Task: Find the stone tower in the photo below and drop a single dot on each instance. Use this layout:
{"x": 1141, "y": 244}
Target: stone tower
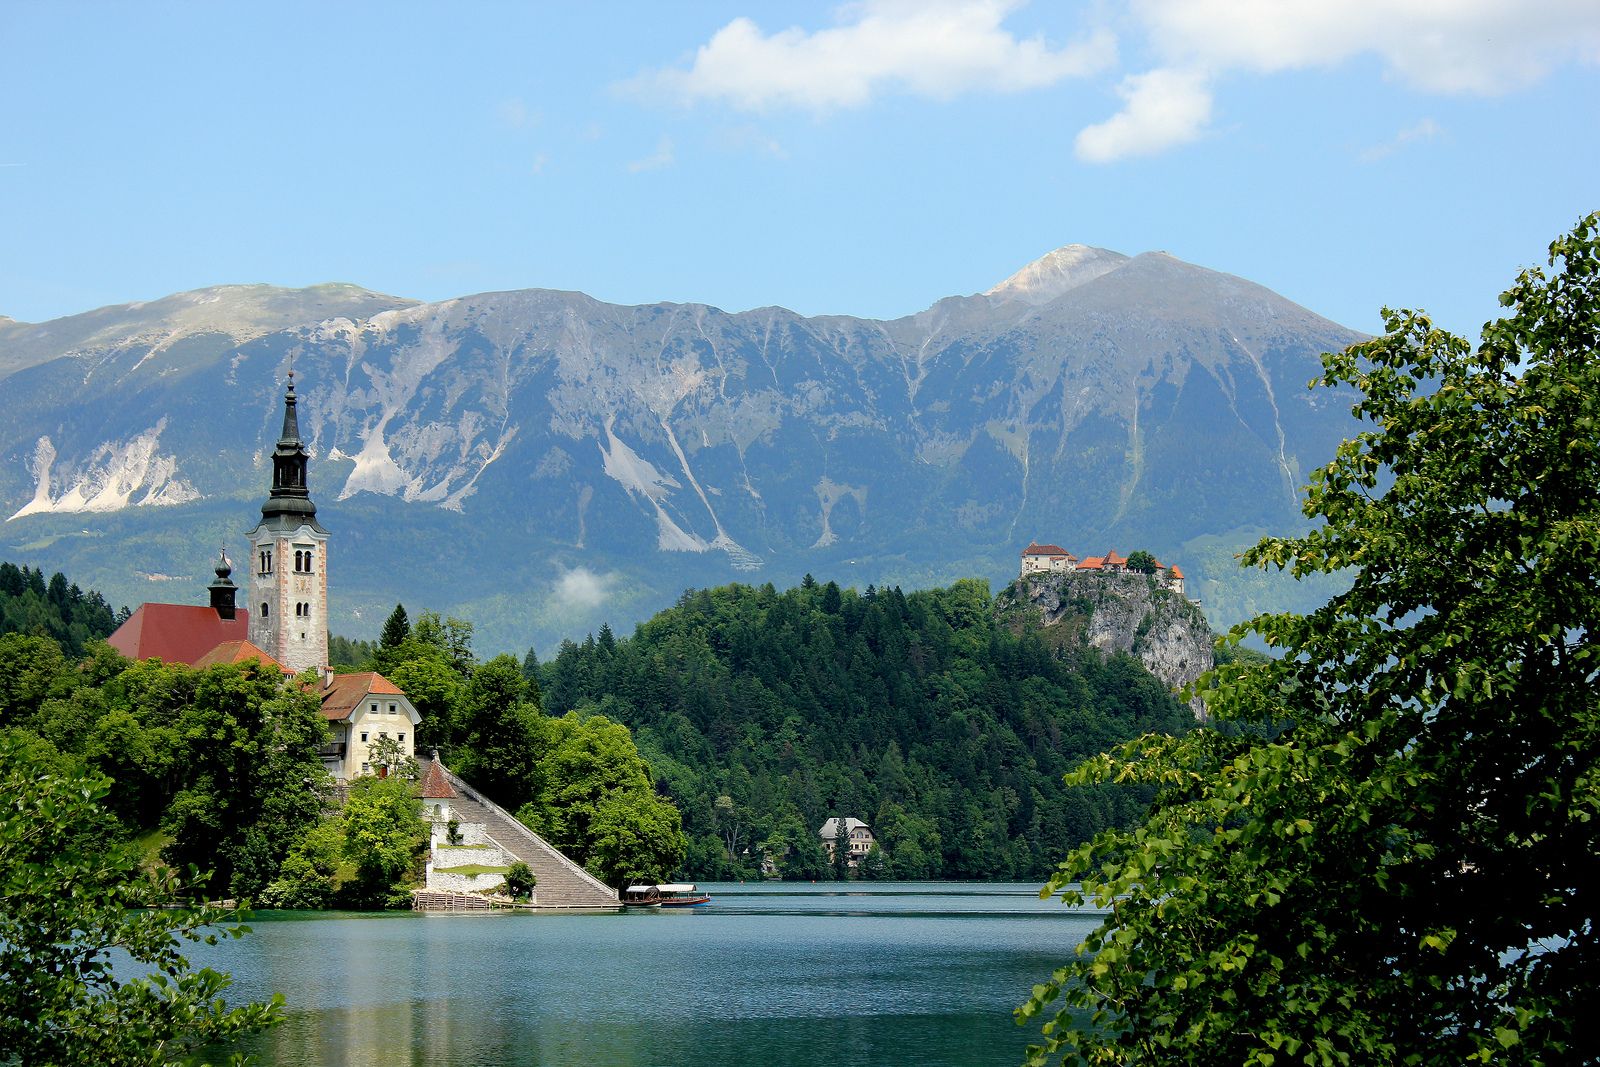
{"x": 289, "y": 560}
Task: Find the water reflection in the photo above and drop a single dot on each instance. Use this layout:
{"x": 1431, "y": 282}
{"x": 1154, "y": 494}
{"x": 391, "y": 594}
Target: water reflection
{"x": 775, "y": 974}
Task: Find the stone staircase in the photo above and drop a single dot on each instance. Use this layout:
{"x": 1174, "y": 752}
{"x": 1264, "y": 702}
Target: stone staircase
{"x": 561, "y": 882}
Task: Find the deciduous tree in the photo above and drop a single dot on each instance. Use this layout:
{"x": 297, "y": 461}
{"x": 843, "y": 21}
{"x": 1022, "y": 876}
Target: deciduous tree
{"x": 70, "y": 904}
{"x": 1410, "y": 872}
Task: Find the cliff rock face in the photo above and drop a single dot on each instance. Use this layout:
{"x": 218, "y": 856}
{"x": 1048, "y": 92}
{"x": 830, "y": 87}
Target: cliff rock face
{"x": 1122, "y": 613}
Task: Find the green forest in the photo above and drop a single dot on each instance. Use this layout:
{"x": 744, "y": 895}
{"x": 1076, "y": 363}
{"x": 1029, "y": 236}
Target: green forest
{"x": 54, "y": 608}
{"x": 712, "y": 744}
{"x": 765, "y": 713}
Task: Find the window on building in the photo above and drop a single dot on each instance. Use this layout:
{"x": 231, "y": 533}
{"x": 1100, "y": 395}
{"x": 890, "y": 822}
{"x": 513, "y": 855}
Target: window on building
{"x": 302, "y": 561}
{"x": 402, "y": 737}
{"x": 374, "y": 706}
{"x": 265, "y": 561}
{"x": 363, "y": 737}
{"x": 263, "y": 609}
{"x": 383, "y": 733}
{"x": 365, "y": 768}
{"x": 391, "y": 707}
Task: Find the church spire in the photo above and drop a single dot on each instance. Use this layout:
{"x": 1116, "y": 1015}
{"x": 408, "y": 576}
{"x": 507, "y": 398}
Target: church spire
{"x": 291, "y": 420}
{"x": 289, "y": 502}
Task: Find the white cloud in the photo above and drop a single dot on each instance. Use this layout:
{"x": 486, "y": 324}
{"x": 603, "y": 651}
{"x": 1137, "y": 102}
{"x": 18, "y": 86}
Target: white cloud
{"x": 582, "y": 588}
{"x": 1439, "y": 46}
{"x": 662, "y": 157}
{"x": 1448, "y": 46}
{"x": 1426, "y": 130}
{"x": 1163, "y": 108}
{"x": 931, "y": 48}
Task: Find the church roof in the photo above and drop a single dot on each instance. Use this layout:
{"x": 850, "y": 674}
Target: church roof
{"x": 177, "y": 633}
{"x": 435, "y": 786}
{"x": 344, "y": 692}
{"x": 236, "y": 652}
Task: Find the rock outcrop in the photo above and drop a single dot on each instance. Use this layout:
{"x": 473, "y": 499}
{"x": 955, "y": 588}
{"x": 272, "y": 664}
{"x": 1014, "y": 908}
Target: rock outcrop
{"x": 1120, "y": 612}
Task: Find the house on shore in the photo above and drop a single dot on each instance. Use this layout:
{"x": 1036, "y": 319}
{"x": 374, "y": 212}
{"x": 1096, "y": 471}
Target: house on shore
{"x": 858, "y": 840}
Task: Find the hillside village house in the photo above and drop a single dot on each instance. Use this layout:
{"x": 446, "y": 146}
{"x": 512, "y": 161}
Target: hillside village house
{"x": 1053, "y": 559}
{"x": 858, "y": 840}
{"x": 285, "y": 622}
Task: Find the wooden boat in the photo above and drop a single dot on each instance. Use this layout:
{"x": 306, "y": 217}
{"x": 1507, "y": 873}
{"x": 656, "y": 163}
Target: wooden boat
{"x": 664, "y": 895}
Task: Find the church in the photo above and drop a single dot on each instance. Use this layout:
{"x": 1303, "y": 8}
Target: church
{"x": 284, "y": 622}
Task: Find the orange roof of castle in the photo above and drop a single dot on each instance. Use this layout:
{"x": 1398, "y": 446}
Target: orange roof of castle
{"x": 344, "y": 692}
{"x": 1045, "y": 550}
{"x": 1114, "y": 560}
{"x": 1091, "y": 563}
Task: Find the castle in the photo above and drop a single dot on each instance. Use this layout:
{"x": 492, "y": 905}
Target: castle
{"x": 1053, "y": 559}
{"x": 285, "y": 620}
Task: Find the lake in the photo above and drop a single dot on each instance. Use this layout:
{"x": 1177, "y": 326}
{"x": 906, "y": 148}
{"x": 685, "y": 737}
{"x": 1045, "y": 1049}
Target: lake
{"x": 772, "y": 973}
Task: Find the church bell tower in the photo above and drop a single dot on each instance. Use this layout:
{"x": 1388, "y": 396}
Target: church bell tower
{"x": 289, "y": 560}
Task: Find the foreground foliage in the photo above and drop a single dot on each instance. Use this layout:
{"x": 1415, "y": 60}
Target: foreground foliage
{"x": 1411, "y": 872}
{"x": 70, "y": 904}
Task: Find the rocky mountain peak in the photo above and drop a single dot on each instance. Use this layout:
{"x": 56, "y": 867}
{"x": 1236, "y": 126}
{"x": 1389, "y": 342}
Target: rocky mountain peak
{"x": 1057, "y": 272}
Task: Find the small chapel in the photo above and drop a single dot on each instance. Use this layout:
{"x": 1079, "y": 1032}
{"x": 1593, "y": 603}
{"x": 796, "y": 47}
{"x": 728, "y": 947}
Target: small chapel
{"x": 284, "y": 622}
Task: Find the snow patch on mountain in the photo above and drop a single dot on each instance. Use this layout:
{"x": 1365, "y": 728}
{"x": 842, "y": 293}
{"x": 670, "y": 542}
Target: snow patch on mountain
{"x": 117, "y": 475}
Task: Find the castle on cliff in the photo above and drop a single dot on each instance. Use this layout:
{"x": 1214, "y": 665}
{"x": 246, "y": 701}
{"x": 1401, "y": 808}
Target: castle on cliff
{"x": 1053, "y": 559}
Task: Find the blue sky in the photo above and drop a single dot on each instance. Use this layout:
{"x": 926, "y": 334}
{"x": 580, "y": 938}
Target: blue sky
{"x": 862, "y": 159}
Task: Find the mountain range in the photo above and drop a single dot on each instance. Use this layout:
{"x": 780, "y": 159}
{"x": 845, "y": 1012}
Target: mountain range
{"x": 539, "y": 461}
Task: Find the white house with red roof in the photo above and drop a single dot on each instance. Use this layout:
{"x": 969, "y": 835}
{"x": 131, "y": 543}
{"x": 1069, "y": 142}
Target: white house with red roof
{"x": 1047, "y": 559}
{"x": 361, "y": 708}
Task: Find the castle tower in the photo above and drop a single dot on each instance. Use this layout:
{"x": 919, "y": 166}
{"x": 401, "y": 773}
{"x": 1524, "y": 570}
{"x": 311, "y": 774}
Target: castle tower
{"x": 289, "y": 560}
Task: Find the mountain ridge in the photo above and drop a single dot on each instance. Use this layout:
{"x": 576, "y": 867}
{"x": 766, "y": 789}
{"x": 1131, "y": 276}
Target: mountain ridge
{"x": 654, "y": 446}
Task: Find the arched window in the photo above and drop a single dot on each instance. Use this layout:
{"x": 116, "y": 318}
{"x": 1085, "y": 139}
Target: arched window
{"x": 263, "y": 609}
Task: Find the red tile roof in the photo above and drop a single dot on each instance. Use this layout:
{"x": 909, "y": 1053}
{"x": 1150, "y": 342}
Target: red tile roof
{"x": 1176, "y": 573}
{"x": 1114, "y": 560}
{"x": 1091, "y": 563}
{"x": 1045, "y": 550}
{"x": 435, "y": 786}
{"x": 236, "y": 652}
{"x": 177, "y": 633}
{"x": 344, "y": 692}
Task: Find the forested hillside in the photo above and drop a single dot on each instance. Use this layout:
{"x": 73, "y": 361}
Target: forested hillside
{"x": 29, "y": 604}
{"x": 764, "y": 713}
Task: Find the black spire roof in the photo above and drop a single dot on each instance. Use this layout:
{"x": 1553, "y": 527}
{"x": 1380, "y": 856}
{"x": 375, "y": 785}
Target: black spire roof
{"x": 222, "y": 589}
{"x": 289, "y": 504}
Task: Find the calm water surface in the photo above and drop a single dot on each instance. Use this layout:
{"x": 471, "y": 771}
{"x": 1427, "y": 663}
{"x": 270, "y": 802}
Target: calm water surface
{"x": 773, "y": 974}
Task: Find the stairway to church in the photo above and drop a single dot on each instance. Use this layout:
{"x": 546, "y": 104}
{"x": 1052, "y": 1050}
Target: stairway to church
{"x": 561, "y": 882}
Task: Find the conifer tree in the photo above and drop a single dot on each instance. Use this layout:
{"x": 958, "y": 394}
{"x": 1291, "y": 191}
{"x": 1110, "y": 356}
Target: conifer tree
{"x": 396, "y": 629}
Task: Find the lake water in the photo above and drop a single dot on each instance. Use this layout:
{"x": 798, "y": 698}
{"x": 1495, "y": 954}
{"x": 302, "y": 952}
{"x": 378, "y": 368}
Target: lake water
{"x": 771, "y": 974}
